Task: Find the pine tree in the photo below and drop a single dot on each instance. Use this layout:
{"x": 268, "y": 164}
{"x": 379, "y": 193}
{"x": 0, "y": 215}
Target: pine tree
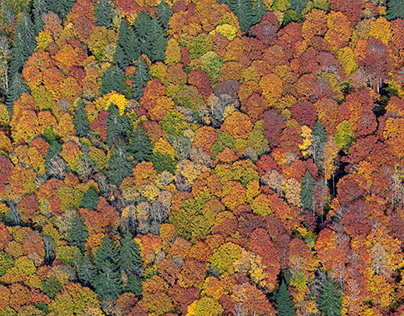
{"x": 127, "y": 50}
{"x": 107, "y": 254}
{"x": 140, "y": 145}
{"x": 395, "y": 10}
{"x": 283, "y": 302}
{"x": 158, "y": 41}
{"x": 140, "y": 79}
{"x": 307, "y": 192}
{"x": 130, "y": 259}
{"x": 81, "y": 124}
{"x": 54, "y": 149}
{"x": 258, "y": 10}
{"x": 60, "y": 7}
{"x": 24, "y": 43}
{"x": 164, "y": 12}
{"x": 319, "y": 139}
{"x": 297, "y": 6}
{"x": 117, "y": 125}
{"x": 103, "y": 13}
{"x": 119, "y": 165}
{"x": 142, "y": 30}
{"x": 243, "y": 10}
{"x": 90, "y": 200}
{"x": 86, "y": 271}
{"x": 77, "y": 233}
{"x": 112, "y": 80}
{"x": 17, "y": 88}
{"x": 39, "y": 7}
{"x": 330, "y": 300}
{"x": 134, "y": 285}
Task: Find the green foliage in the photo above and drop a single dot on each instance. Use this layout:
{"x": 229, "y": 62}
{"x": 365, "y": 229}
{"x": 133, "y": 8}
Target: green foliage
{"x": 60, "y": 7}
{"x": 90, "y": 200}
{"x": 130, "y": 259}
{"x": 43, "y": 307}
{"x": 39, "y": 7}
{"x": 291, "y": 16}
{"x": 344, "y": 136}
{"x": 134, "y": 285}
{"x": 307, "y": 192}
{"x": 81, "y": 124}
{"x": 119, "y": 165}
{"x": 17, "y": 88}
{"x": 163, "y": 162}
{"x": 189, "y": 97}
{"x": 395, "y": 10}
{"x": 248, "y": 12}
{"x": 159, "y": 44}
{"x": 199, "y": 45}
{"x": 54, "y": 149}
{"x": 51, "y": 287}
{"x": 140, "y": 145}
{"x": 283, "y": 302}
{"x": 297, "y": 6}
{"x": 140, "y": 79}
{"x": 127, "y": 49}
{"x": 103, "y": 13}
{"x": 223, "y": 140}
{"x": 212, "y": 64}
{"x": 112, "y": 80}
{"x": 117, "y": 125}
{"x": 330, "y": 300}
{"x": 107, "y": 254}
{"x": 174, "y": 123}
{"x": 6, "y": 262}
{"x": 77, "y": 233}
{"x": 86, "y": 271}
{"x": 49, "y": 134}
{"x": 142, "y": 30}
{"x": 164, "y": 12}
{"x": 319, "y": 139}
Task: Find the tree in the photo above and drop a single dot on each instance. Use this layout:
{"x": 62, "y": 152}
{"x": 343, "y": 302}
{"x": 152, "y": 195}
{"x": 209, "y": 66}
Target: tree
{"x": 112, "y": 80}
{"x": 103, "y": 13}
{"x": 17, "y": 88}
{"x": 140, "y": 145}
{"x": 119, "y": 165}
{"x": 117, "y": 125}
{"x": 283, "y": 302}
{"x": 39, "y": 7}
{"x": 60, "y": 7}
{"x": 140, "y": 79}
{"x": 86, "y": 271}
{"x": 5, "y": 55}
{"x": 127, "y": 50}
{"x": 80, "y": 121}
{"x": 319, "y": 140}
{"x": 307, "y": 192}
{"x": 51, "y": 287}
{"x": 330, "y": 299}
{"x": 164, "y": 13}
{"x": 90, "y": 200}
{"x": 158, "y": 40}
{"x": 395, "y": 10}
{"x": 130, "y": 260}
{"x": 77, "y": 233}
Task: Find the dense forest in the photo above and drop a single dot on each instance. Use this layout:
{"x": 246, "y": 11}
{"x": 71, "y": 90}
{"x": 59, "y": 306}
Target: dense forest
{"x": 201, "y": 157}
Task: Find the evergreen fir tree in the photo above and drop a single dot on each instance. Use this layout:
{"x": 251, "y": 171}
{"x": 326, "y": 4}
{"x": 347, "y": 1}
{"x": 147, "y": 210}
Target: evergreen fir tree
{"x": 130, "y": 259}
{"x": 86, "y": 271}
{"x": 319, "y": 139}
{"x": 163, "y": 162}
{"x": 164, "y": 12}
{"x": 117, "y": 125}
{"x": 90, "y": 200}
{"x": 108, "y": 284}
{"x": 243, "y": 10}
{"x": 39, "y": 7}
{"x": 134, "y": 285}
{"x": 142, "y": 30}
{"x": 24, "y": 43}
{"x": 127, "y": 50}
{"x": 158, "y": 41}
{"x": 119, "y": 165}
{"x": 107, "y": 254}
{"x": 395, "y": 10}
{"x": 140, "y": 145}
{"x": 54, "y": 149}
{"x": 283, "y": 302}
{"x": 17, "y": 88}
{"x": 297, "y": 6}
{"x": 307, "y": 192}
{"x": 60, "y": 7}
{"x": 140, "y": 79}
{"x": 330, "y": 300}
{"x": 77, "y": 233}
{"x": 103, "y": 13}
{"x": 81, "y": 124}
{"x": 258, "y": 10}
{"x": 112, "y": 80}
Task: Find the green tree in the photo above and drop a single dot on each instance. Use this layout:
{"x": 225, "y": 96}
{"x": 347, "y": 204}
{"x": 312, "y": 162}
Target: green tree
{"x": 16, "y": 89}
{"x": 51, "y": 287}
{"x": 258, "y": 10}
{"x": 140, "y": 79}
{"x": 103, "y": 13}
{"x": 140, "y": 145}
{"x": 90, "y": 200}
{"x": 297, "y": 6}
{"x": 127, "y": 50}
{"x": 112, "y": 80}
{"x": 163, "y": 162}
{"x": 130, "y": 259}
{"x": 107, "y": 254}
{"x": 142, "y": 30}
{"x": 119, "y": 165}
{"x": 319, "y": 139}
{"x": 158, "y": 40}
{"x": 283, "y": 302}
{"x": 223, "y": 140}
{"x": 54, "y": 149}
{"x": 243, "y": 10}
{"x": 81, "y": 124}
{"x": 330, "y": 300}
{"x": 395, "y": 10}
{"x": 77, "y": 233}
{"x": 117, "y": 125}
{"x": 39, "y": 7}
{"x": 307, "y": 192}
{"x": 164, "y": 12}
{"x": 344, "y": 136}
{"x": 60, "y": 7}
{"x": 6, "y": 263}
{"x": 86, "y": 271}
{"x": 134, "y": 285}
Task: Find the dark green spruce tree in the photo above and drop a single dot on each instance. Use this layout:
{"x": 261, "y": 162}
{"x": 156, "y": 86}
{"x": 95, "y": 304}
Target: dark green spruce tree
{"x": 140, "y": 145}
{"x": 158, "y": 41}
{"x": 17, "y": 88}
{"x": 60, "y": 7}
{"x": 395, "y": 9}
{"x": 86, "y": 271}
{"x": 127, "y": 50}
{"x": 142, "y": 30}
{"x": 258, "y": 10}
{"x": 77, "y": 233}
{"x": 164, "y": 12}
{"x": 243, "y": 10}
{"x": 103, "y": 13}
{"x": 140, "y": 79}
{"x": 283, "y": 302}
{"x": 131, "y": 263}
{"x": 319, "y": 140}
{"x": 330, "y": 300}
{"x": 39, "y": 7}
{"x": 54, "y": 149}
{"x": 307, "y": 192}
{"x": 297, "y": 6}
{"x": 119, "y": 165}
{"x": 81, "y": 124}
{"x": 90, "y": 200}
{"x": 112, "y": 80}
{"x": 117, "y": 125}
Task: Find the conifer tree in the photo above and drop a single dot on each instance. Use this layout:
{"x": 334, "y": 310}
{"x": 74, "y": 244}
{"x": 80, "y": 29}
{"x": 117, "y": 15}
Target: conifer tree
{"x": 258, "y": 10}
{"x": 77, "y": 233}
{"x": 164, "y": 12}
{"x": 158, "y": 41}
{"x": 117, "y": 125}
{"x": 330, "y": 299}
{"x": 60, "y": 7}
{"x": 54, "y": 149}
{"x": 140, "y": 145}
{"x": 86, "y": 271}
{"x": 307, "y": 192}
{"x": 130, "y": 259}
{"x": 395, "y": 10}
{"x": 119, "y": 165}
{"x": 140, "y": 79}
{"x": 81, "y": 124}
{"x": 39, "y": 7}
{"x": 319, "y": 139}
{"x": 107, "y": 254}
{"x": 297, "y": 5}
{"x": 142, "y": 30}
{"x": 283, "y": 302}
{"x": 103, "y": 13}
{"x": 127, "y": 50}
{"x": 16, "y": 89}
{"x": 90, "y": 200}
{"x": 112, "y": 80}
{"x": 134, "y": 285}
{"x": 24, "y": 43}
